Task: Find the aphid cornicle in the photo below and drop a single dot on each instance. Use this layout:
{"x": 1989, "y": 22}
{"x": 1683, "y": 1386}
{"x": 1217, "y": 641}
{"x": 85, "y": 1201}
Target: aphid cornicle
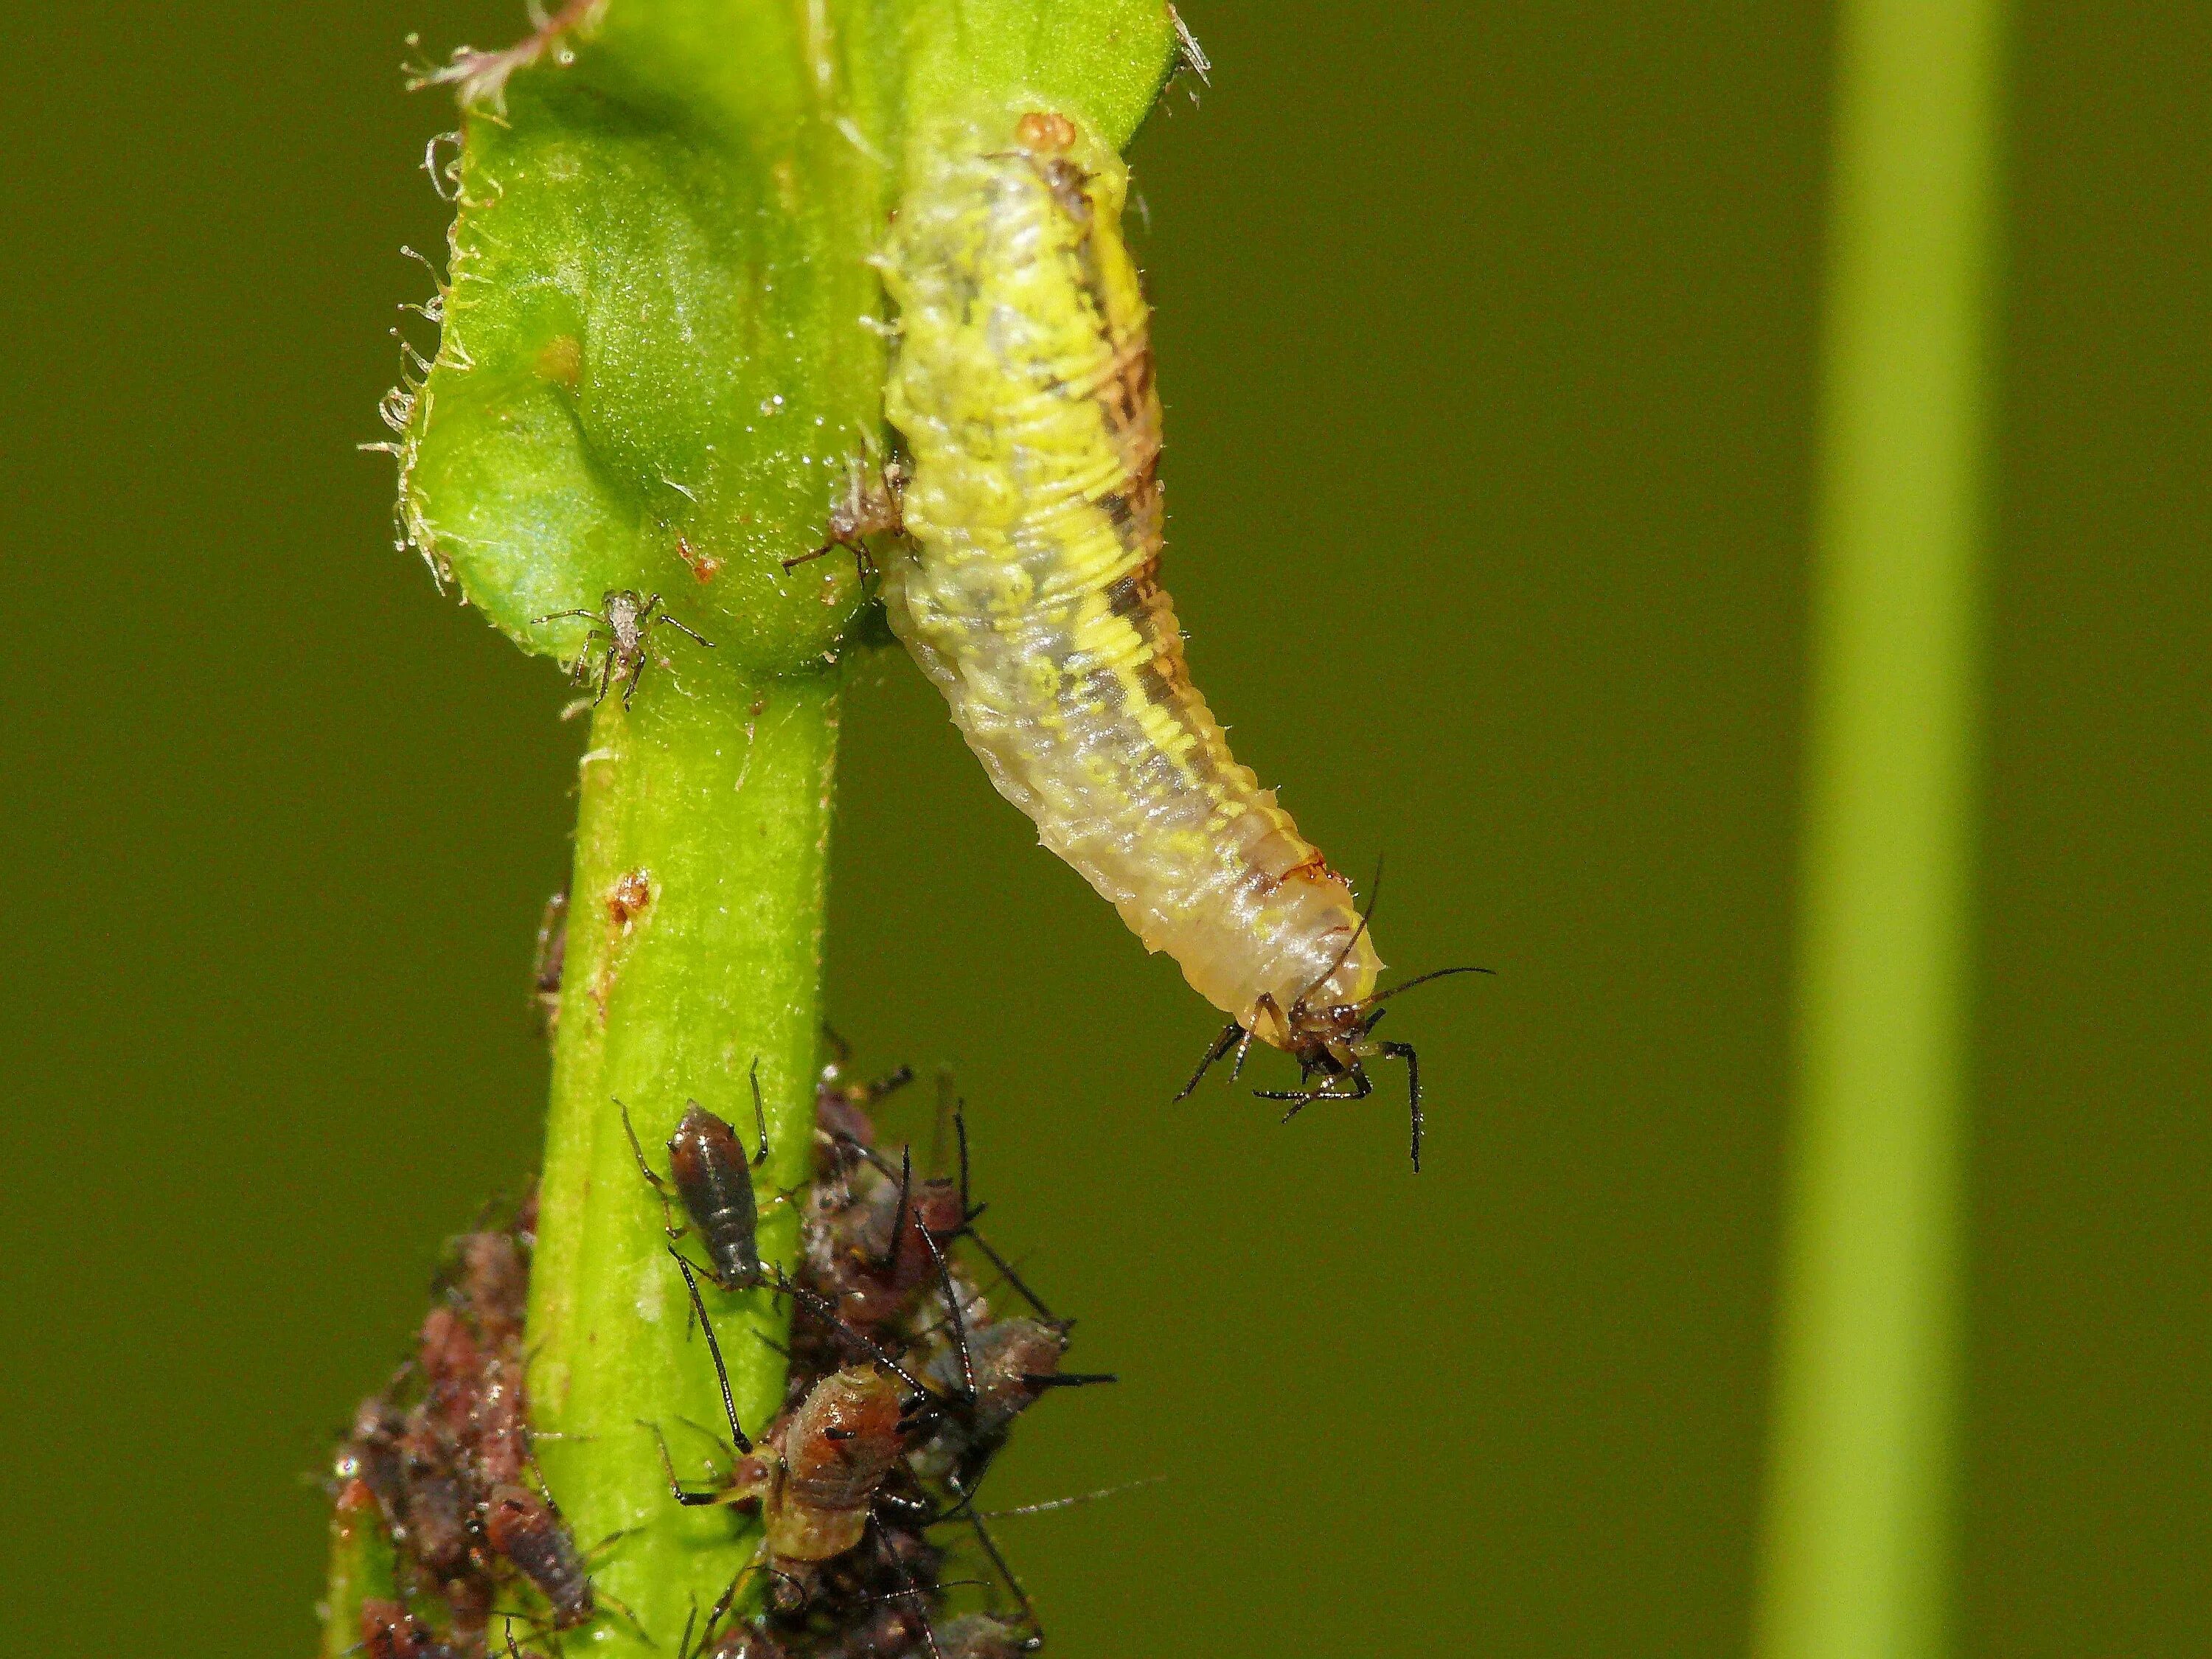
{"x": 1030, "y": 590}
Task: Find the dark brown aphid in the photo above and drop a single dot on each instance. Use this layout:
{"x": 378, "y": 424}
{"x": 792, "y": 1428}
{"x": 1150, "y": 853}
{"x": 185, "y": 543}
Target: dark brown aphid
{"x": 626, "y": 626}
{"x": 869, "y": 507}
{"x": 713, "y": 1179}
{"x": 842, "y": 1120}
{"x": 494, "y": 1284}
{"x": 870, "y": 1252}
{"x": 990, "y": 1376}
{"x": 551, "y": 958}
{"x": 877, "y": 1240}
{"x": 388, "y": 1631}
{"x": 524, "y": 1528}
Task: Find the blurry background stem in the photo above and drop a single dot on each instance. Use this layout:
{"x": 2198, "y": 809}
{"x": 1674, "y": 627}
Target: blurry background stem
{"x": 1857, "y": 1533}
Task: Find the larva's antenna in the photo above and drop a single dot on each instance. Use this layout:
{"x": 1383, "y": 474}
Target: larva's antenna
{"x": 1423, "y": 978}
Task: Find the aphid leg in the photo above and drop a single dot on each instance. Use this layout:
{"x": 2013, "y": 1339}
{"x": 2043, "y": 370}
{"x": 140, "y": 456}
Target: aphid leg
{"x": 636, "y": 672}
{"x": 669, "y": 1225}
{"x": 621, "y": 1609}
{"x": 1005, "y": 1572}
{"x": 715, "y": 1348}
{"x": 906, "y": 1581}
{"x": 1222, "y": 1045}
{"x": 666, "y": 621}
{"x": 690, "y": 1498}
{"x": 606, "y": 676}
{"x": 729, "y": 1598}
{"x": 760, "y": 1115}
{"x": 890, "y": 1083}
{"x": 864, "y": 562}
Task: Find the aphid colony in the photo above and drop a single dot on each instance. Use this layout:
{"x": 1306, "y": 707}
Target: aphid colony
{"x": 905, "y": 1382}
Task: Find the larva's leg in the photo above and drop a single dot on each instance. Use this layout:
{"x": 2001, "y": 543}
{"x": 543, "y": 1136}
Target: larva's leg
{"x": 1356, "y": 1085}
{"x": 1266, "y": 1004}
{"x": 1228, "y": 1040}
{"x": 1404, "y": 1051}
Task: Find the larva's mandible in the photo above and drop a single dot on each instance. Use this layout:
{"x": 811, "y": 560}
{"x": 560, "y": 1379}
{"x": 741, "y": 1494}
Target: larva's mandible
{"x": 1023, "y": 387}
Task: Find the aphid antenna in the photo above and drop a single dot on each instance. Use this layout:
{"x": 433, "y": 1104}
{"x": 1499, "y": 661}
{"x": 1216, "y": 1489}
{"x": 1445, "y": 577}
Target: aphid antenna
{"x": 1069, "y": 1503}
{"x": 1043, "y": 1380}
{"x": 714, "y": 1348}
{"x": 826, "y": 1310}
{"x": 953, "y": 1314}
{"x": 1006, "y": 1271}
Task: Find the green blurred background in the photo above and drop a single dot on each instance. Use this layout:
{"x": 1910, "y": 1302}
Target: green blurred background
{"x": 1486, "y": 336}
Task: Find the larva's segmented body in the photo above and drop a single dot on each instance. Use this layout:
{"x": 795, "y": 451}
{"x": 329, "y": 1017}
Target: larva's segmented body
{"x": 1023, "y": 390}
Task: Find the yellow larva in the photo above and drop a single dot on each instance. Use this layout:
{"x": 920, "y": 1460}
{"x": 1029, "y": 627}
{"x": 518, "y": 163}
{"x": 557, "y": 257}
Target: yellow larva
{"x": 1023, "y": 387}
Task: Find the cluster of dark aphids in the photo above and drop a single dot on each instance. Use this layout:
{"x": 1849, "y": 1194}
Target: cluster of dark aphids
{"x": 905, "y": 1382}
{"x": 443, "y": 1454}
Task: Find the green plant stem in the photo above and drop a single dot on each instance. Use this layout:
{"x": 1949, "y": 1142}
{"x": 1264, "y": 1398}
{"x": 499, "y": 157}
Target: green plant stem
{"x": 1858, "y": 1519}
{"x": 717, "y": 793}
{"x": 361, "y": 1568}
